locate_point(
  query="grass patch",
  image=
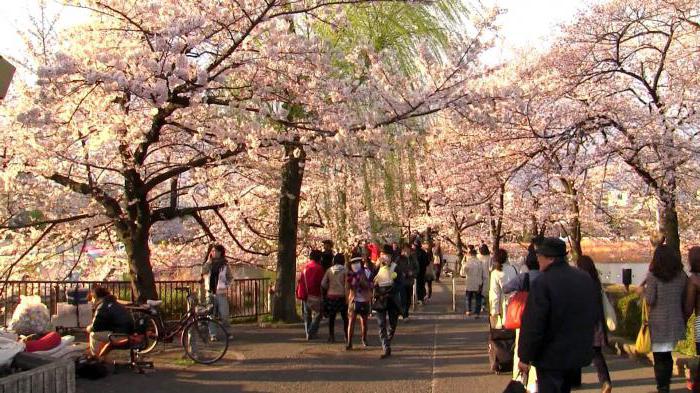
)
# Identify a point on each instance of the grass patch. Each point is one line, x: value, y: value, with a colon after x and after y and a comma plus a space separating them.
x: 185, y: 362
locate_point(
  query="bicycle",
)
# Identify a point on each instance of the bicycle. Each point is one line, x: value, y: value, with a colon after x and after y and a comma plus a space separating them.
x: 204, y: 339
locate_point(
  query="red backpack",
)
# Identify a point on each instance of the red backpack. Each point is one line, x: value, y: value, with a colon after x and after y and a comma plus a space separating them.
x: 301, y: 292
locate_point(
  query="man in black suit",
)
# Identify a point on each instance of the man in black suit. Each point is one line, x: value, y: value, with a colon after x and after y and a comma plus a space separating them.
x: 556, y: 335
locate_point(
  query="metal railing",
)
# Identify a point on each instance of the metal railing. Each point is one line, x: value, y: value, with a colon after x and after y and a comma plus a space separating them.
x: 247, y: 297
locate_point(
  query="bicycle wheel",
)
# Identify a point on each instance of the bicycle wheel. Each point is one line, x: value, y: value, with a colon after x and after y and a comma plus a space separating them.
x: 152, y: 331
x: 205, y: 340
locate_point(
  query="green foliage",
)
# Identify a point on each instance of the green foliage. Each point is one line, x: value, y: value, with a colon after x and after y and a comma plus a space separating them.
x: 629, y: 316
x: 397, y: 27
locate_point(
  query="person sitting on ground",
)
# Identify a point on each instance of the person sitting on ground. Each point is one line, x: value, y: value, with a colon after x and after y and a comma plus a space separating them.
x: 109, y: 317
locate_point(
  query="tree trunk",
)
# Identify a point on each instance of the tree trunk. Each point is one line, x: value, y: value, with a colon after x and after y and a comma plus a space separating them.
x: 668, y: 219
x: 574, y: 229
x: 138, y: 254
x: 496, y: 220
x: 284, y: 304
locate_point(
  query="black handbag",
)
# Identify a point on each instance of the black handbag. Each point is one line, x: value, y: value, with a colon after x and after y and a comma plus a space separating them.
x: 516, y: 386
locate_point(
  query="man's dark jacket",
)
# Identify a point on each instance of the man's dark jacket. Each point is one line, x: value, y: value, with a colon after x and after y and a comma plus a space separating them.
x: 557, y: 326
x: 423, y: 261
x: 112, y: 316
x: 327, y: 260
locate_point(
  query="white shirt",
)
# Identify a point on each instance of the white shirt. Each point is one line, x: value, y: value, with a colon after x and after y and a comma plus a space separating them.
x: 222, y: 284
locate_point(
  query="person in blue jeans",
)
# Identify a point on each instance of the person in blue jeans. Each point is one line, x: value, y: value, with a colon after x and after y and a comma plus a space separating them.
x: 309, y: 292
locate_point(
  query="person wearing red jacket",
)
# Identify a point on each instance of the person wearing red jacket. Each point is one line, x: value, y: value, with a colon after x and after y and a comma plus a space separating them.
x: 309, y: 292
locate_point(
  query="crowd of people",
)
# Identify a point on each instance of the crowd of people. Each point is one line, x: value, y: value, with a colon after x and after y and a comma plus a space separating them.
x: 562, y: 328
x: 366, y: 280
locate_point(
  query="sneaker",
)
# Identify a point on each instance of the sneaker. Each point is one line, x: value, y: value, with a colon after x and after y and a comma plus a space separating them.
x: 213, y: 338
x: 364, y: 343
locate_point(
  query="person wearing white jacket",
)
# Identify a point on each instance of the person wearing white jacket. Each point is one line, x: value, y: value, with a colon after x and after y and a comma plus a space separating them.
x: 502, y: 273
x: 476, y: 280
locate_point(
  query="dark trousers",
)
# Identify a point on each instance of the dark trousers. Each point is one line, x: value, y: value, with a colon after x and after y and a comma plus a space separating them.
x: 438, y: 271
x: 554, y: 381
x: 600, y: 365
x: 430, y: 288
x: 420, y: 289
x: 331, y: 322
x: 473, y: 302
x: 663, y: 370
x: 406, y: 299
x: 386, y: 333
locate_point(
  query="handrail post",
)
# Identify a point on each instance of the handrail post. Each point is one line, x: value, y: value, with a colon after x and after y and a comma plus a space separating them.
x: 454, y: 295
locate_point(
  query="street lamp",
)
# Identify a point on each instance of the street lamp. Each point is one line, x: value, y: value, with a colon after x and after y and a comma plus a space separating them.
x: 7, y: 70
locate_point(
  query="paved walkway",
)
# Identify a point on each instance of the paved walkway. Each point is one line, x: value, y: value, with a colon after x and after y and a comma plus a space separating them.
x: 435, y: 351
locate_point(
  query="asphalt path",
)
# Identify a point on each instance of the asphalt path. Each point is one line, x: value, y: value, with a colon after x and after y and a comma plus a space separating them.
x: 436, y: 350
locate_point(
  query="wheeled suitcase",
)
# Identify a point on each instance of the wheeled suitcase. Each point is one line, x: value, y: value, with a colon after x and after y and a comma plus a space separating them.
x: 501, y: 349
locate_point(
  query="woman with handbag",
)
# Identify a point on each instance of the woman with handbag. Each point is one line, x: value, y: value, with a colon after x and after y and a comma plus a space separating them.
x: 522, y: 283
x: 600, y: 336
x: 663, y: 292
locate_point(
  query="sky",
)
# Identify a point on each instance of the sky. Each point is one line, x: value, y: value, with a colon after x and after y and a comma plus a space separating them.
x: 527, y: 23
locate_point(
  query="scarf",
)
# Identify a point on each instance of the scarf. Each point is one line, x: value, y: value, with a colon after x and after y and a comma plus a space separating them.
x: 216, y: 265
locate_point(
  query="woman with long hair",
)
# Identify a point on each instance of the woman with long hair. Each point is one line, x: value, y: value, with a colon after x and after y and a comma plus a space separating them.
x: 600, y: 336
x: 663, y: 292
x: 502, y: 273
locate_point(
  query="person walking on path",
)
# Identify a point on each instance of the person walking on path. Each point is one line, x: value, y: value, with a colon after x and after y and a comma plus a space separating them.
x: 217, y: 278
x: 407, y: 266
x: 485, y: 258
x: 692, y: 303
x: 385, y: 300
x: 334, y: 296
x: 476, y: 278
x: 309, y: 292
x: 556, y: 333
x: 437, y: 262
x: 327, y: 258
x: 502, y: 273
x: 600, y: 337
x: 360, y: 291
x: 430, y: 274
x: 664, y: 293
x: 523, y: 282
x: 423, y: 261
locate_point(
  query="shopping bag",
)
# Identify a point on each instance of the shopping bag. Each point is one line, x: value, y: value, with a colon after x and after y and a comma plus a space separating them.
x: 643, y: 343
x: 515, y: 310
x: 609, y: 311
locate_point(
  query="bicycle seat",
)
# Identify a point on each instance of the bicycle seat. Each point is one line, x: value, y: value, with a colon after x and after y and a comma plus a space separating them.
x: 154, y: 303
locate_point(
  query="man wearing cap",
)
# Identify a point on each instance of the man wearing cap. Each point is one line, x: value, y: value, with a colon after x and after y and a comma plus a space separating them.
x: 556, y: 335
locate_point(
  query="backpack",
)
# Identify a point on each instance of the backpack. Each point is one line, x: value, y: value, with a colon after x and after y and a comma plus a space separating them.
x: 89, y: 367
